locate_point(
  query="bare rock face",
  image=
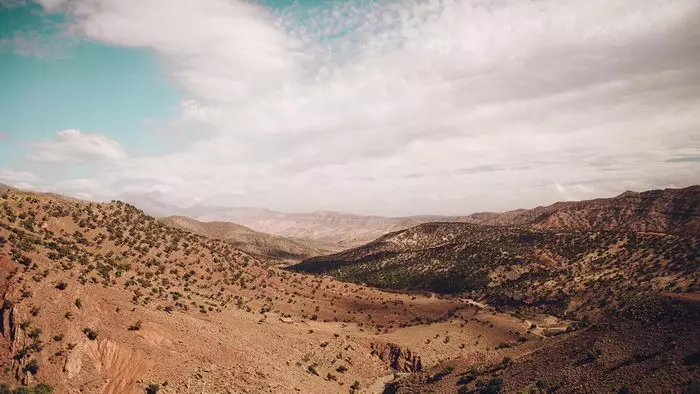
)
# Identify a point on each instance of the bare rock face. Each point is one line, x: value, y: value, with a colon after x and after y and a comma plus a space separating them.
x: 398, y: 358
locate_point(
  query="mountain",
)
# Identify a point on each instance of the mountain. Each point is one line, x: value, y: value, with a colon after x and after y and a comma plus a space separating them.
x: 271, y: 247
x: 101, y: 298
x: 559, y: 266
x: 664, y: 211
x: 329, y: 230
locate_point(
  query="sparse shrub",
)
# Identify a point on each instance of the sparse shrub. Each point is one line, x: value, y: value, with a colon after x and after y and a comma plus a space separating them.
x: 312, y: 369
x: 32, y: 367
x: 61, y: 285
x: 78, y: 303
x: 330, y: 377
x: 58, y: 337
x: 438, y: 376
x: 135, y: 326
x: 494, y: 386
x: 90, y: 333
x: 341, y: 369
x: 152, y: 388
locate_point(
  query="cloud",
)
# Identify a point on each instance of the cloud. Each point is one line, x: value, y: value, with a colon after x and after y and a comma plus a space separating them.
x: 12, y: 176
x: 75, y: 146
x: 341, y: 106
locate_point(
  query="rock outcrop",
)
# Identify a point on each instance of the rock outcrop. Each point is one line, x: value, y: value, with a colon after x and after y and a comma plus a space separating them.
x: 398, y: 358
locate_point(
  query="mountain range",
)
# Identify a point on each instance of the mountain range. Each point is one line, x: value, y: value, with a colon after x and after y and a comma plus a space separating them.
x: 579, y: 297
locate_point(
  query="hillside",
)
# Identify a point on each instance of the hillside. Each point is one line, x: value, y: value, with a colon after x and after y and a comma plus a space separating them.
x: 559, y: 271
x: 100, y: 298
x: 665, y: 211
x: 651, y: 346
x: 266, y: 246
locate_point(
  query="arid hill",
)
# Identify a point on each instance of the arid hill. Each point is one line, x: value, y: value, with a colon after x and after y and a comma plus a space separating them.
x: 100, y: 298
x: 650, y: 346
x: 674, y: 211
x: 270, y: 247
x: 330, y: 230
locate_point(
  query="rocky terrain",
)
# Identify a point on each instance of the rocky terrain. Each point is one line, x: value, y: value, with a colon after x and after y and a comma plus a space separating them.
x: 268, y: 247
x: 552, y: 271
x: 100, y: 298
x: 650, y: 346
x: 675, y: 211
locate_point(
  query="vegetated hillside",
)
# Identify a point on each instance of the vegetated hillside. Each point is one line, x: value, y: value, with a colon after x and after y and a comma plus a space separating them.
x: 652, y: 345
x: 102, y: 298
x: 266, y: 246
x: 666, y: 211
x: 555, y: 271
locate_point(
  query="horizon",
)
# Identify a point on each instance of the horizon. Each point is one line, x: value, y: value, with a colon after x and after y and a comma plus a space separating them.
x: 177, y: 211
x: 387, y: 108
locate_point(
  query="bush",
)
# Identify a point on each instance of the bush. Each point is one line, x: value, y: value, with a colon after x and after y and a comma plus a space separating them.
x: 78, y: 303
x: 312, y: 369
x: 32, y: 367
x: 341, y: 369
x: 152, y: 388
x: 136, y: 326
x: 91, y: 334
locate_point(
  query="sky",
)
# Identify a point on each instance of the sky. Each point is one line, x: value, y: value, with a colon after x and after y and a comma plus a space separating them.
x: 393, y: 107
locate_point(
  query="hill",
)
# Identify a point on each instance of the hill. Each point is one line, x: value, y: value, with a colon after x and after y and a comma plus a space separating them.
x: 651, y: 346
x: 100, y: 298
x: 267, y: 246
x: 532, y: 265
x: 330, y: 230
x: 674, y: 211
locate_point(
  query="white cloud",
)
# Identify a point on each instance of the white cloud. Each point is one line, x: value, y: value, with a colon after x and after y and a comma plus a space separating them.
x: 440, y: 106
x: 13, y: 176
x: 75, y: 146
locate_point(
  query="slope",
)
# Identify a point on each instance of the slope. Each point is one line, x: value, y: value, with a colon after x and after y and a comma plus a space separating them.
x: 102, y: 298
x: 651, y: 346
x: 266, y: 246
x: 667, y: 211
x: 554, y: 271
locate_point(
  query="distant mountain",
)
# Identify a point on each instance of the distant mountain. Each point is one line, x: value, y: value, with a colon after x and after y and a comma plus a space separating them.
x: 664, y: 211
x: 331, y: 230
x: 537, y: 258
x: 266, y: 246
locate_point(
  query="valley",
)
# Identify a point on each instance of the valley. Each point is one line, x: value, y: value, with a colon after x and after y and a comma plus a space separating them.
x: 99, y: 297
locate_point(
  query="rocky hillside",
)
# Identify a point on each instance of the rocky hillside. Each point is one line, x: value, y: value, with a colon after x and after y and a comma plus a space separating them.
x: 651, y: 346
x: 266, y: 246
x: 558, y: 271
x: 100, y: 298
x: 674, y: 211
